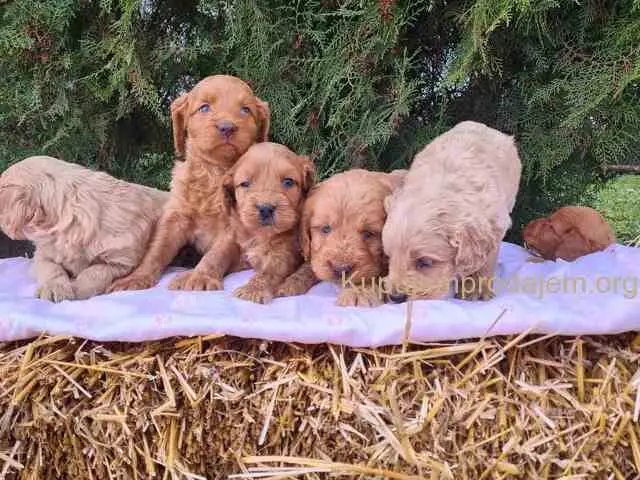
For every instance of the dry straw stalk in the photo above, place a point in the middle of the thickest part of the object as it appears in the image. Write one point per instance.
(215, 407)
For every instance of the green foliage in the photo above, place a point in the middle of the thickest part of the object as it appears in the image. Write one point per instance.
(618, 200)
(355, 83)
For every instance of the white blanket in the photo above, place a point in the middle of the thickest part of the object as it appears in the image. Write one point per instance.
(598, 294)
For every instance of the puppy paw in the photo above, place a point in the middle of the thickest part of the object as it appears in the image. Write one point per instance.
(195, 281)
(289, 289)
(56, 291)
(358, 298)
(132, 282)
(253, 294)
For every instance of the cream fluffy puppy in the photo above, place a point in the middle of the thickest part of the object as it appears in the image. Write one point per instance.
(447, 221)
(88, 227)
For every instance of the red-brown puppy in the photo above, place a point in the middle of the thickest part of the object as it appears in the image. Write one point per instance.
(266, 190)
(569, 233)
(213, 125)
(341, 229)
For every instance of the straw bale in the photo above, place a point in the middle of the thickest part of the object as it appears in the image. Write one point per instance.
(219, 407)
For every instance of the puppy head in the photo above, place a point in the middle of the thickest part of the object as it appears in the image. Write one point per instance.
(429, 249)
(267, 186)
(20, 207)
(219, 119)
(541, 237)
(342, 224)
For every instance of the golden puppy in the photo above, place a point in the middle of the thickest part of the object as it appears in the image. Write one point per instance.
(341, 230)
(569, 233)
(88, 227)
(213, 125)
(266, 190)
(447, 221)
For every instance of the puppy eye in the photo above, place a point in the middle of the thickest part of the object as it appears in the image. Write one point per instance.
(245, 184)
(326, 229)
(368, 235)
(204, 108)
(288, 182)
(423, 262)
(245, 111)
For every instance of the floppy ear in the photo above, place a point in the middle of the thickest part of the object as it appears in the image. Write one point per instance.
(179, 110)
(473, 243)
(264, 121)
(308, 173)
(305, 229)
(22, 208)
(229, 191)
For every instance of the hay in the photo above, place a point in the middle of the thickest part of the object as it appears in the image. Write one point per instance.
(522, 407)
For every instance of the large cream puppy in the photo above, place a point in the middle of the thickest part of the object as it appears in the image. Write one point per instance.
(88, 227)
(447, 221)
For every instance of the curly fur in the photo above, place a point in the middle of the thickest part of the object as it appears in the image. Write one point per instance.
(195, 213)
(268, 174)
(88, 227)
(341, 229)
(569, 233)
(448, 219)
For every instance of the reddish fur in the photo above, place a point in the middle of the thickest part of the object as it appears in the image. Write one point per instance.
(352, 203)
(274, 250)
(196, 211)
(569, 233)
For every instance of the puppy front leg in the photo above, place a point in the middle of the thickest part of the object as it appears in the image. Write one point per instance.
(95, 280)
(260, 288)
(298, 283)
(210, 272)
(169, 237)
(53, 281)
(359, 297)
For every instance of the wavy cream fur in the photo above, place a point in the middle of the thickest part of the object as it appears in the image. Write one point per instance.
(88, 227)
(448, 219)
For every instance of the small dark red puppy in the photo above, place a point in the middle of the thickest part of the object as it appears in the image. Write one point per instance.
(569, 233)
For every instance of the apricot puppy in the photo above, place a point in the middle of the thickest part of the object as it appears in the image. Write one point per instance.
(446, 223)
(88, 227)
(569, 233)
(265, 192)
(213, 125)
(341, 230)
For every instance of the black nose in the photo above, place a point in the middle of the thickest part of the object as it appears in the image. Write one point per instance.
(398, 297)
(342, 269)
(226, 129)
(266, 210)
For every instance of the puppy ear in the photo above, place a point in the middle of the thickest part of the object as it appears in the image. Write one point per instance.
(305, 229)
(473, 243)
(22, 208)
(308, 173)
(229, 192)
(179, 110)
(264, 121)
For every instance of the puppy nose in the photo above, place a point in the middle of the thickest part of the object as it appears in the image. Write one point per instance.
(342, 269)
(226, 129)
(266, 211)
(398, 297)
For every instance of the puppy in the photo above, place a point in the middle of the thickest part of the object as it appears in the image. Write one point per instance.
(88, 227)
(266, 190)
(340, 233)
(447, 221)
(569, 233)
(213, 125)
